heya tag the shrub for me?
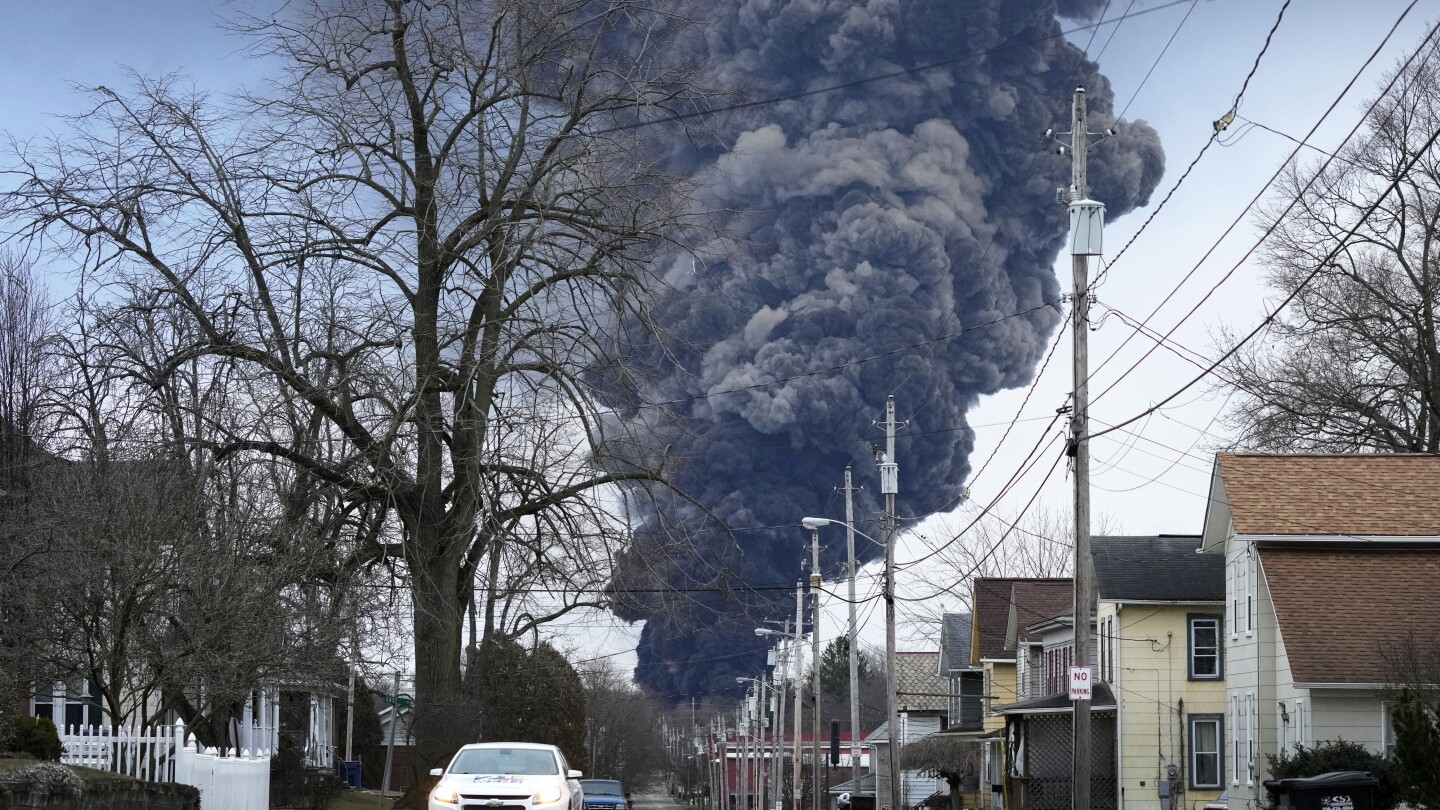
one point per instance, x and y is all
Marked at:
(36, 736)
(1338, 755)
(57, 778)
(294, 785)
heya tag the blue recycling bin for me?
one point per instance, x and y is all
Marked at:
(350, 772)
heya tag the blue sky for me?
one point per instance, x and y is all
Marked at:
(1151, 483)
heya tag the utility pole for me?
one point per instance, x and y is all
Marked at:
(390, 749)
(815, 803)
(777, 774)
(1086, 223)
(889, 486)
(854, 646)
(795, 773)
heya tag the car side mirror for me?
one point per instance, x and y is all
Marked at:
(574, 775)
(627, 797)
(437, 771)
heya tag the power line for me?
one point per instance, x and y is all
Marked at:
(1254, 200)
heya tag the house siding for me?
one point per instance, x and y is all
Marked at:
(1251, 709)
(999, 690)
(1155, 699)
(1353, 715)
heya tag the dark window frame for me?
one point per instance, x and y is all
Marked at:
(1219, 620)
(1219, 720)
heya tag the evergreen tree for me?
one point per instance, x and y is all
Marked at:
(1417, 749)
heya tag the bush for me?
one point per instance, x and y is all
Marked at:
(58, 779)
(36, 736)
(1338, 755)
(294, 785)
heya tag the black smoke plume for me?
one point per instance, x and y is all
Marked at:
(871, 218)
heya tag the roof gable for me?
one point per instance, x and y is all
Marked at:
(954, 642)
(1339, 609)
(1165, 568)
(1034, 602)
(991, 615)
(918, 682)
(1371, 494)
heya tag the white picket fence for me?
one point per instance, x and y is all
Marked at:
(238, 780)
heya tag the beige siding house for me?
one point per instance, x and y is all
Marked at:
(1329, 560)
(1160, 620)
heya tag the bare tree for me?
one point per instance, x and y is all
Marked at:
(25, 324)
(435, 217)
(1036, 543)
(622, 730)
(1353, 364)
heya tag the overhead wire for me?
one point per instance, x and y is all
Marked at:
(1255, 200)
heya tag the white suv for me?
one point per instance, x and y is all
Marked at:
(507, 776)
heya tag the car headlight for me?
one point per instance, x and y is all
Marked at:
(548, 795)
(445, 794)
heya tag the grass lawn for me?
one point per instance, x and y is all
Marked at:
(356, 800)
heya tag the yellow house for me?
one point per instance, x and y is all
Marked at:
(1159, 646)
(1002, 608)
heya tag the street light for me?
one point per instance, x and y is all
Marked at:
(777, 745)
(892, 695)
(799, 655)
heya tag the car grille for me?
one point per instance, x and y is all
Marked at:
(482, 800)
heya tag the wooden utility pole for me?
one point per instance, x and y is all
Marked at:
(889, 486)
(1086, 223)
(815, 799)
(854, 631)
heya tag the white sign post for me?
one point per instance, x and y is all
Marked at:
(1079, 683)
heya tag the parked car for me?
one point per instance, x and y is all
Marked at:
(604, 794)
(507, 776)
(1221, 802)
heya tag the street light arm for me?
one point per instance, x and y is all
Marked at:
(814, 523)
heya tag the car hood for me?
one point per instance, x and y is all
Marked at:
(498, 784)
(603, 798)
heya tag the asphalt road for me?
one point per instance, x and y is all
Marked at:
(654, 801)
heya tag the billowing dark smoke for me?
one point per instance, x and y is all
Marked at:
(872, 218)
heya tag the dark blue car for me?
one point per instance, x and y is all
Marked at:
(604, 794)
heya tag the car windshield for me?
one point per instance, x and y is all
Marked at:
(525, 761)
(601, 787)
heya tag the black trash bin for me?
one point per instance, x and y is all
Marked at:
(1339, 790)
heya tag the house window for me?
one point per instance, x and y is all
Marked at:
(1205, 651)
(1387, 731)
(1249, 737)
(1235, 760)
(1207, 765)
(1251, 579)
(1237, 585)
(70, 705)
(1299, 722)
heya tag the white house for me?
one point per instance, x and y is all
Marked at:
(1329, 560)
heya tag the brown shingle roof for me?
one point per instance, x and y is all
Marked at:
(992, 612)
(1338, 609)
(1032, 602)
(1360, 494)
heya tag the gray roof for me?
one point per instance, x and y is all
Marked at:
(1060, 703)
(1162, 568)
(919, 684)
(954, 642)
